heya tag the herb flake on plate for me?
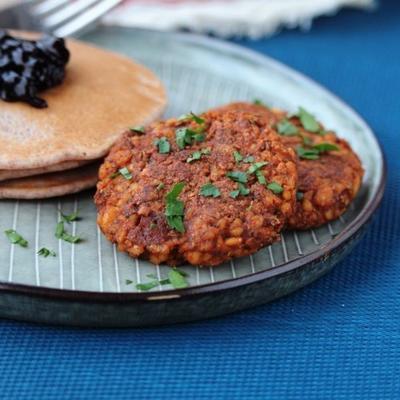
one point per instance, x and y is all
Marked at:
(275, 187)
(209, 190)
(197, 155)
(186, 136)
(237, 176)
(308, 120)
(15, 238)
(44, 252)
(163, 145)
(286, 128)
(61, 234)
(174, 208)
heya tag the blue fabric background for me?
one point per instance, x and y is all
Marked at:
(337, 339)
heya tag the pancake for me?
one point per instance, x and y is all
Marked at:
(235, 180)
(50, 185)
(328, 182)
(6, 174)
(102, 95)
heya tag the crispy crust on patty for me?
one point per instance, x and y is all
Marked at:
(131, 212)
(329, 184)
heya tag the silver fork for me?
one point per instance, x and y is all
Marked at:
(58, 17)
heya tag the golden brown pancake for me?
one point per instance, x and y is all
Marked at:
(103, 94)
(50, 185)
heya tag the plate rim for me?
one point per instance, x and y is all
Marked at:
(350, 230)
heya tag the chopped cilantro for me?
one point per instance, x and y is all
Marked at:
(248, 159)
(174, 210)
(186, 136)
(306, 140)
(275, 187)
(286, 128)
(176, 279)
(15, 238)
(324, 147)
(193, 117)
(71, 217)
(123, 172)
(256, 166)
(241, 190)
(63, 235)
(163, 145)
(299, 196)
(46, 252)
(237, 156)
(137, 129)
(144, 287)
(260, 177)
(197, 155)
(237, 176)
(308, 120)
(307, 154)
(259, 102)
(128, 282)
(209, 190)
(160, 186)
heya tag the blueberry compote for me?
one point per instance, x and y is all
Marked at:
(29, 67)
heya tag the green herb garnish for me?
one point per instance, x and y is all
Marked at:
(46, 252)
(307, 154)
(241, 190)
(15, 238)
(275, 187)
(174, 210)
(137, 129)
(184, 136)
(197, 155)
(299, 196)
(144, 287)
(308, 120)
(324, 147)
(160, 186)
(209, 190)
(286, 128)
(237, 176)
(193, 117)
(70, 217)
(256, 166)
(259, 102)
(248, 159)
(123, 172)
(60, 233)
(237, 156)
(260, 177)
(163, 145)
(176, 279)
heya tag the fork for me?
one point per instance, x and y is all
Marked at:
(58, 17)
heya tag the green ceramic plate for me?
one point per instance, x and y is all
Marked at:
(86, 283)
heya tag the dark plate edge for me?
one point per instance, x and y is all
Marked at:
(318, 255)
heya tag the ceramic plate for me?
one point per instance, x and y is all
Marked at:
(86, 283)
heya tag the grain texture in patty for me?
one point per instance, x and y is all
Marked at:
(131, 211)
(326, 185)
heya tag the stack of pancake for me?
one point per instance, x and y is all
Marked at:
(57, 150)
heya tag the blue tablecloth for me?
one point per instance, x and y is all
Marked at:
(337, 339)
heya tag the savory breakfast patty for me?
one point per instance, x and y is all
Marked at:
(197, 189)
(329, 172)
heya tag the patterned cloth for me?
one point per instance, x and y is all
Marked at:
(227, 18)
(337, 339)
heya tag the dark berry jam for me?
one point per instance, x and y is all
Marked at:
(29, 67)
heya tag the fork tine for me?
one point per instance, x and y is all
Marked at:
(86, 18)
(62, 15)
(47, 6)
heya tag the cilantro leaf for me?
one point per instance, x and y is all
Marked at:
(259, 102)
(137, 129)
(176, 279)
(174, 209)
(237, 156)
(197, 155)
(70, 217)
(145, 287)
(324, 147)
(248, 159)
(209, 190)
(163, 145)
(60, 233)
(308, 120)
(123, 172)
(193, 117)
(256, 166)
(307, 154)
(184, 136)
(241, 190)
(15, 238)
(237, 176)
(286, 128)
(46, 252)
(260, 177)
(275, 187)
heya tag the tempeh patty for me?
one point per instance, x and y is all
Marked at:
(237, 186)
